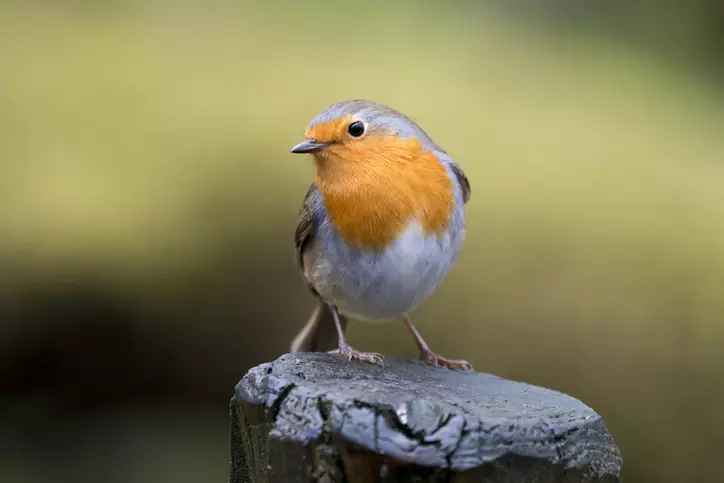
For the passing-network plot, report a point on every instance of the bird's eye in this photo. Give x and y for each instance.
(356, 129)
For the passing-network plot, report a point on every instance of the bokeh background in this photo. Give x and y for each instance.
(148, 201)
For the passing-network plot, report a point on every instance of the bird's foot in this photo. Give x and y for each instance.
(440, 361)
(350, 353)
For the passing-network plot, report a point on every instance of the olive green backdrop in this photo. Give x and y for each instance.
(148, 202)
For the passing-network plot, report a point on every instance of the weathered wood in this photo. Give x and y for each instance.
(317, 418)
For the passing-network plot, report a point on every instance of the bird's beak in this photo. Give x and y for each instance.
(309, 146)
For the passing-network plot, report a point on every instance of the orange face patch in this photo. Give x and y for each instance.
(334, 130)
(375, 185)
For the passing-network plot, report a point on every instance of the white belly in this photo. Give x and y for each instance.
(381, 286)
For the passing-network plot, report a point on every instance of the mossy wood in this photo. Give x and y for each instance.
(315, 417)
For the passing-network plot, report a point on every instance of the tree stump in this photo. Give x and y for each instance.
(315, 417)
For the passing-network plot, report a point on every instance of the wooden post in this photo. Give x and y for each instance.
(318, 418)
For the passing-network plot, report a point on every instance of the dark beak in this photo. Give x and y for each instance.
(309, 146)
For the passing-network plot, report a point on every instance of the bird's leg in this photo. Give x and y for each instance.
(347, 350)
(429, 356)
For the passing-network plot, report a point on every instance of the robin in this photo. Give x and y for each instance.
(379, 228)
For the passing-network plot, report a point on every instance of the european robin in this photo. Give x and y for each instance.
(380, 227)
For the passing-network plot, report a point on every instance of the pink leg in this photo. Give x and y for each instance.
(347, 350)
(429, 356)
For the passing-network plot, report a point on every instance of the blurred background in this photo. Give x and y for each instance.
(148, 202)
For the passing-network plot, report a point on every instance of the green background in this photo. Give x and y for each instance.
(148, 202)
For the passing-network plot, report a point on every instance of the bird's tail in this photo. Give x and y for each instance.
(319, 334)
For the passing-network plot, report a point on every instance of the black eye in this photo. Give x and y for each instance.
(356, 129)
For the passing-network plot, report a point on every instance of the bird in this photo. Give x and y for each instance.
(380, 227)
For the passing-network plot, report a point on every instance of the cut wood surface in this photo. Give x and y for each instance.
(317, 417)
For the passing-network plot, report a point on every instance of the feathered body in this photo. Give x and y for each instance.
(375, 270)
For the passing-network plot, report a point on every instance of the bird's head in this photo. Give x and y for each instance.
(363, 133)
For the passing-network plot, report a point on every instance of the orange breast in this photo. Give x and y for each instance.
(374, 186)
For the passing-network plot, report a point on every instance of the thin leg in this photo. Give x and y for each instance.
(347, 350)
(429, 356)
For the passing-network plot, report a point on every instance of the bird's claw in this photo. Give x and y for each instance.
(349, 353)
(440, 361)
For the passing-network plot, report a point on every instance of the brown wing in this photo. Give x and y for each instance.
(305, 228)
(319, 334)
(464, 183)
